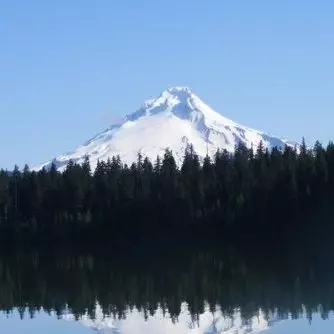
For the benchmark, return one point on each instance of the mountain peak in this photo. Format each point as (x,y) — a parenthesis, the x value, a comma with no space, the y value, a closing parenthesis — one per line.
(169,100)
(174,119)
(179,89)
(179,94)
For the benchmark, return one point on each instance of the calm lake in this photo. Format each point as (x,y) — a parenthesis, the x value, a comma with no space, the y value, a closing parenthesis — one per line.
(137,290)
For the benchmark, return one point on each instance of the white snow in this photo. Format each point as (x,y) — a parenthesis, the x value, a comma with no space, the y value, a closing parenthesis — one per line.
(160,323)
(172,120)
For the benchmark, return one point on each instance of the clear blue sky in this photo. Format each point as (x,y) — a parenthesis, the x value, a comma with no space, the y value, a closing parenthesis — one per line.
(69,68)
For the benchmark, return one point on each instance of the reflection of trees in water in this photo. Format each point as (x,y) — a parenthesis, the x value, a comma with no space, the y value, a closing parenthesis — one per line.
(146,281)
(208,322)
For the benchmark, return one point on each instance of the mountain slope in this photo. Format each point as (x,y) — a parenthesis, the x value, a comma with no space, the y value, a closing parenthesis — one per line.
(173,120)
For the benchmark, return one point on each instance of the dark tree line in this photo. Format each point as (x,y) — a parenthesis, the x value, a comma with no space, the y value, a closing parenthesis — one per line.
(251,188)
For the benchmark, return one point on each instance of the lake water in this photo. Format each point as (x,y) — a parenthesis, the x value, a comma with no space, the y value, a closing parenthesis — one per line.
(135,323)
(169,290)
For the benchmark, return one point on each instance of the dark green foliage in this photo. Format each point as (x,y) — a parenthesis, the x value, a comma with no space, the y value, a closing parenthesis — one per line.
(250,190)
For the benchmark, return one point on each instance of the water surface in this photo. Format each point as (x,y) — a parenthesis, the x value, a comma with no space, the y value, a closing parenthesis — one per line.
(175,290)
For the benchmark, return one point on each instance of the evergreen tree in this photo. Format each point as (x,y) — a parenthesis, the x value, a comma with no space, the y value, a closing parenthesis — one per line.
(250,189)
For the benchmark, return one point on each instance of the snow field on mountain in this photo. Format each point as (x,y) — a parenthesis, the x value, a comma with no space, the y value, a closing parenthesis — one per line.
(173,120)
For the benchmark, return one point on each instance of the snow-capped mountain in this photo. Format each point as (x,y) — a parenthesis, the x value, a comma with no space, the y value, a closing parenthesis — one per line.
(173,120)
(160,323)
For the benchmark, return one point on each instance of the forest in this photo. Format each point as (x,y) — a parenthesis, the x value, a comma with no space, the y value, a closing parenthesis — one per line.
(252,190)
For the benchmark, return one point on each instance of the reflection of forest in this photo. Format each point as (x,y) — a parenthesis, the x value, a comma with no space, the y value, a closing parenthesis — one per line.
(208,323)
(147,279)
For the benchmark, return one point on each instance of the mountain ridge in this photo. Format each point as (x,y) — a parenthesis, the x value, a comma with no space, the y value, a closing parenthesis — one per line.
(173,120)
